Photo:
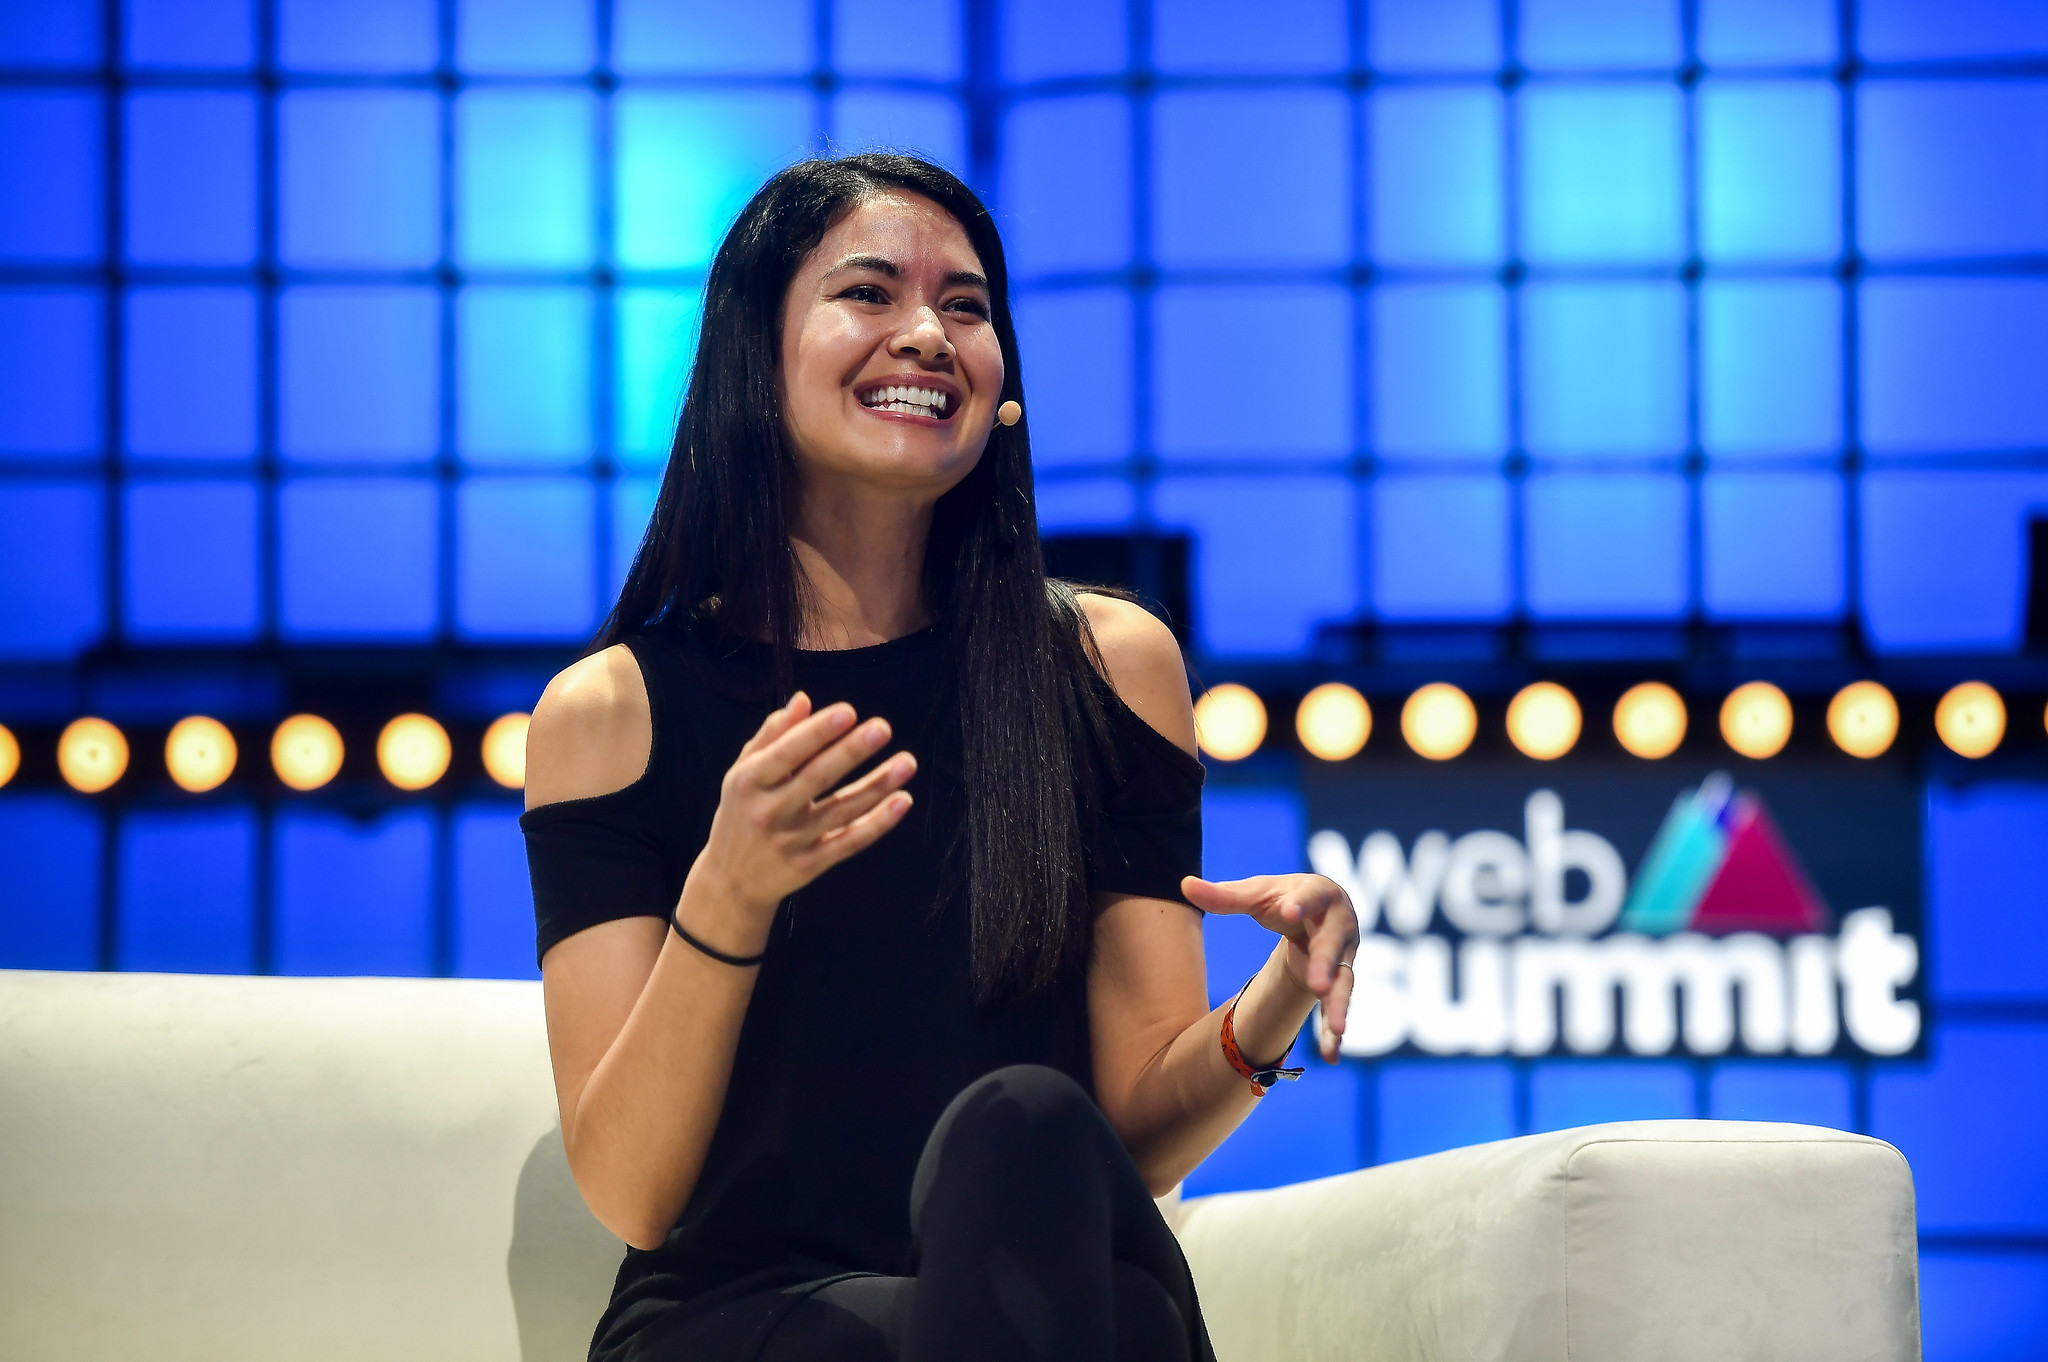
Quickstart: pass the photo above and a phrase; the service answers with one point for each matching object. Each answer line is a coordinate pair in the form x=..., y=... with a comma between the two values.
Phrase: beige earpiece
x=1010, y=413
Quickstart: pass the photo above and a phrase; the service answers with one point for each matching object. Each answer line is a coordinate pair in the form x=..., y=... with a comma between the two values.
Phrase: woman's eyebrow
x=888, y=269
x=866, y=262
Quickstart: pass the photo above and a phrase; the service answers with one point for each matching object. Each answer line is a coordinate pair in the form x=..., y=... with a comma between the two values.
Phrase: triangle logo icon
x=1682, y=861
x=1759, y=886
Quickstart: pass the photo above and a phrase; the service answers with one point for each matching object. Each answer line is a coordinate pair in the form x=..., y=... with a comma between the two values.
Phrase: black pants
x=1037, y=1242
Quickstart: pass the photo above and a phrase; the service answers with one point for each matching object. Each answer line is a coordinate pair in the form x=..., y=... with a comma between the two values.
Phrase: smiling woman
x=807, y=1089
x=942, y=372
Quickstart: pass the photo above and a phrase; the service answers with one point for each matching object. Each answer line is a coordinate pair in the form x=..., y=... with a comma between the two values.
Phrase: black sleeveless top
x=863, y=1023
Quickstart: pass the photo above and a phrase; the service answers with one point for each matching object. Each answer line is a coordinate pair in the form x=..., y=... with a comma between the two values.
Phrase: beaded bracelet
x=1260, y=1079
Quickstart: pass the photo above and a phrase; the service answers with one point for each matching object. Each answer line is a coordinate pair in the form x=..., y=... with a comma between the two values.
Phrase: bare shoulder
x=1144, y=665
x=592, y=731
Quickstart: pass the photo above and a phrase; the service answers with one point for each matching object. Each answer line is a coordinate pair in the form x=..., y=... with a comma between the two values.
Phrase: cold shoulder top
x=863, y=1023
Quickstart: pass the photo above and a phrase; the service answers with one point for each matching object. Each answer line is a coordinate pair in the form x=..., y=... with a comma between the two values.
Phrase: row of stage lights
x=413, y=752
x=1333, y=722
x=1439, y=721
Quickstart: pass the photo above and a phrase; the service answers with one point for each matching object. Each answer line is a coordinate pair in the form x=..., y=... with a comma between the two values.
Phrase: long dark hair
x=717, y=555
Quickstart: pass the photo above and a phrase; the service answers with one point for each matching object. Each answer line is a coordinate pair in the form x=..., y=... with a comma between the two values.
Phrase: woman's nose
x=925, y=337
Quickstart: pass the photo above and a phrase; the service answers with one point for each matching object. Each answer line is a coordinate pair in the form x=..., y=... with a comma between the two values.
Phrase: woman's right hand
x=781, y=823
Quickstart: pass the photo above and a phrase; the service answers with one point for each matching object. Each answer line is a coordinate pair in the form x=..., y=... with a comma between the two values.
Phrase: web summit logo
x=1720, y=915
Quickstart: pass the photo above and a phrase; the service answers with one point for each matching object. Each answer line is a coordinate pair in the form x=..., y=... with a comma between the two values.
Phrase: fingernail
x=899, y=801
x=877, y=734
x=842, y=716
x=903, y=767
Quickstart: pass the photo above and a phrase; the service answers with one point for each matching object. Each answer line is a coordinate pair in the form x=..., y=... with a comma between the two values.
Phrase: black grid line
x=1694, y=460
x=1144, y=274
x=1514, y=274
x=1364, y=481
x=1850, y=272
x=113, y=420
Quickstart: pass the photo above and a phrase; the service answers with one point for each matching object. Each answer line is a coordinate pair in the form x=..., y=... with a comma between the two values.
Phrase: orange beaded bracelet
x=1260, y=1078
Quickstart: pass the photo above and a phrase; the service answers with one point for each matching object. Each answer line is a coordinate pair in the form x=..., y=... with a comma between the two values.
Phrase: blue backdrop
x=359, y=325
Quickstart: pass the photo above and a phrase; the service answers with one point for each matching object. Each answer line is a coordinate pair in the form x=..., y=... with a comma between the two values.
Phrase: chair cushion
x=1633, y=1242
x=252, y=1168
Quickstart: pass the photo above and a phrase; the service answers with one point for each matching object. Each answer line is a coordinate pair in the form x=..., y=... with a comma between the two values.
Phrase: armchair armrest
x=1639, y=1240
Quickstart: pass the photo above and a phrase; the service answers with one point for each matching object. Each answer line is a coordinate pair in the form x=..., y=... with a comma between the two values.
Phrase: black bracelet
x=741, y=961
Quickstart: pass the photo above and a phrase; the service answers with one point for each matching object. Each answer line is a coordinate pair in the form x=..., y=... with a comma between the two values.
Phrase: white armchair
x=230, y=1168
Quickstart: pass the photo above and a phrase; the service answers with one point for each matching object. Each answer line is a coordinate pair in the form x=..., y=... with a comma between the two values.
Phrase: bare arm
x=641, y=1026
x=1160, y=1074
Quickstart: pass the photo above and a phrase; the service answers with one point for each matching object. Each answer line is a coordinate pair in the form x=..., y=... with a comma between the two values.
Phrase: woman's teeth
x=907, y=401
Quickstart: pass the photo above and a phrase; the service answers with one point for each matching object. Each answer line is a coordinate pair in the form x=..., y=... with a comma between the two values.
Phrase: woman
x=859, y=1072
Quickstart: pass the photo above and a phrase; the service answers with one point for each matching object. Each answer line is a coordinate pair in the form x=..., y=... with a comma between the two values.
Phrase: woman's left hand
x=1315, y=918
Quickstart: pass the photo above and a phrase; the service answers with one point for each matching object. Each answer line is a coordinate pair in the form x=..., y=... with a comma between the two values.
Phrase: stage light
x=200, y=753
x=1438, y=721
x=1970, y=719
x=1756, y=720
x=505, y=750
x=413, y=751
x=1333, y=721
x=1230, y=722
x=1543, y=720
x=1863, y=719
x=10, y=754
x=91, y=755
x=1649, y=720
x=305, y=751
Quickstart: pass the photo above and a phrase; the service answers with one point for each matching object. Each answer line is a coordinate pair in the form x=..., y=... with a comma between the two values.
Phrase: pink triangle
x=1759, y=887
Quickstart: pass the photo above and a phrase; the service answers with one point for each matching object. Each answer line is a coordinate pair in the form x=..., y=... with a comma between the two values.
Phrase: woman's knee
x=1043, y=1105
x=1044, y=1094
x=1017, y=1125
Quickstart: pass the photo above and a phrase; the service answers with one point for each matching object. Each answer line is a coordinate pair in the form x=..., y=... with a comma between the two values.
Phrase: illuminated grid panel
x=1562, y=310
x=367, y=324
x=370, y=328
